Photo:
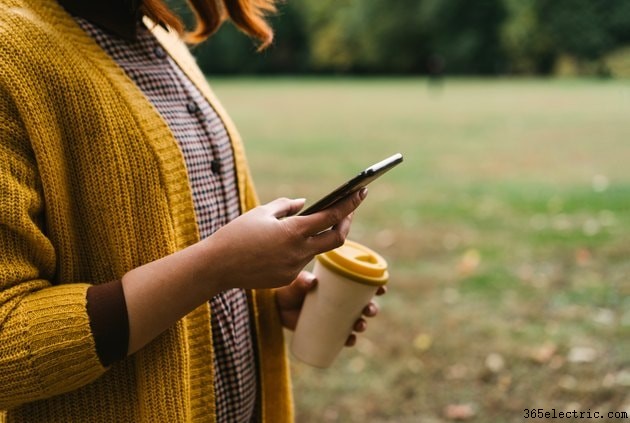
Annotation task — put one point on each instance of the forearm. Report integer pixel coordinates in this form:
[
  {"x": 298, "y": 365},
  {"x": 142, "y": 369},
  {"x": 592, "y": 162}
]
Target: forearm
[{"x": 160, "y": 293}]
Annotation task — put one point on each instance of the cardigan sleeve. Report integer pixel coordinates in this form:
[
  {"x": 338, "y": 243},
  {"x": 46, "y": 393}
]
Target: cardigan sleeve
[
  {"x": 109, "y": 321},
  {"x": 46, "y": 343}
]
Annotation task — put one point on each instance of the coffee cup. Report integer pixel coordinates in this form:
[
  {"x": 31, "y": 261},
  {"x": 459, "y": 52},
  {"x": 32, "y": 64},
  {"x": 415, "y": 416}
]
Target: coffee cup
[{"x": 348, "y": 277}]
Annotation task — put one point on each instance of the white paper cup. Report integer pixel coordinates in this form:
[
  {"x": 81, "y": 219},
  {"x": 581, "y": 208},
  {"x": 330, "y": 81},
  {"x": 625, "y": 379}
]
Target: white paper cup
[{"x": 348, "y": 277}]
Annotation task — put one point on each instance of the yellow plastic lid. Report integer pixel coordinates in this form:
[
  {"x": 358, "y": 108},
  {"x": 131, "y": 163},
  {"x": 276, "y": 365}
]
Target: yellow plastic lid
[{"x": 356, "y": 262}]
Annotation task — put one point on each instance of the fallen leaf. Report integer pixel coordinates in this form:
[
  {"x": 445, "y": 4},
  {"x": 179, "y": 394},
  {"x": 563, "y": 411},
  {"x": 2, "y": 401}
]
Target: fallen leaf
[
  {"x": 605, "y": 317},
  {"x": 582, "y": 355},
  {"x": 422, "y": 342},
  {"x": 469, "y": 262},
  {"x": 356, "y": 365},
  {"x": 459, "y": 411},
  {"x": 504, "y": 383},
  {"x": 495, "y": 362},
  {"x": 456, "y": 372},
  {"x": 544, "y": 353},
  {"x": 582, "y": 257}
]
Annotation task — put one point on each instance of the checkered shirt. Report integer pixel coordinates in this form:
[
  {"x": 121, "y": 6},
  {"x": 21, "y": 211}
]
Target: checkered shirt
[{"x": 207, "y": 151}]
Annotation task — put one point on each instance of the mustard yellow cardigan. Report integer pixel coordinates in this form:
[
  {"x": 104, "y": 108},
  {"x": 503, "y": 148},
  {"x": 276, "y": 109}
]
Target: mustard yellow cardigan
[{"x": 93, "y": 184}]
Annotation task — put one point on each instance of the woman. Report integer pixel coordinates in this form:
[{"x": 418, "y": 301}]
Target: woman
[{"x": 139, "y": 281}]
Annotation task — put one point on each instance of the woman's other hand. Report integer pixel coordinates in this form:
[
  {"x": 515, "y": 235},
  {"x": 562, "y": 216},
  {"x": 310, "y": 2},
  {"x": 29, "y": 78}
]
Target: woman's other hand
[{"x": 290, "y": 298}]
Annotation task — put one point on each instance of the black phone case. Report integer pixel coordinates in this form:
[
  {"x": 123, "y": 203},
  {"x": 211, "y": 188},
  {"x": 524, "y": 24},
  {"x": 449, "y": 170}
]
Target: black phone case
[{"x": 354, "y": 184}]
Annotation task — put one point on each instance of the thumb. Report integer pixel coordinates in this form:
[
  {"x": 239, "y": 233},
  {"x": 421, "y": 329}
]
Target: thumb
[{"x": 284, "y": 207}]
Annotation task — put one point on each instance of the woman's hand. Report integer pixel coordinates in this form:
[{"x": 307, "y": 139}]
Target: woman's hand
[
  {"x": 289, "y": 300},
  {"x": 268, "y": 246}
]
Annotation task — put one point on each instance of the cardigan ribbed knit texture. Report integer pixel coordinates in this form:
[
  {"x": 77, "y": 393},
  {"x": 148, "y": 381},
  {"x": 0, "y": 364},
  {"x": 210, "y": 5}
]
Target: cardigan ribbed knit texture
[{"x": 93, "y": 184}]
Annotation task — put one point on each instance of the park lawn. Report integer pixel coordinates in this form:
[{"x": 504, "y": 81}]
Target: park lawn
[{"x": 507, "y": 230}]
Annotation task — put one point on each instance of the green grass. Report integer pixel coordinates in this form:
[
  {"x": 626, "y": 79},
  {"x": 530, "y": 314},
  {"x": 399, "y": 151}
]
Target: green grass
[{"x": 507, "y": 230}]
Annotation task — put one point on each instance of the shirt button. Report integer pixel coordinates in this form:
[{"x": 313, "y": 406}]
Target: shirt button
[
  {"x": 215, "y": 166},
  {"x": 192, "y": 107},
  {"x": 159, "y": 52}
]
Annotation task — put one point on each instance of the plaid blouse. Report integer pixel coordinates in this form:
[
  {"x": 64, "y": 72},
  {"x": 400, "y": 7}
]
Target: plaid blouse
[{"x": 207, "y": 152}]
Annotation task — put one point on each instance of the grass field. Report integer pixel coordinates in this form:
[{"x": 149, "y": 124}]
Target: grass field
[{"x": 507, "y": 230}]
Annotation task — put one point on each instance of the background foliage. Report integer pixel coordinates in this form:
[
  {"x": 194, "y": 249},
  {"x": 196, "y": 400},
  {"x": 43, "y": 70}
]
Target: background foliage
[{"x": 484, "y": 37}]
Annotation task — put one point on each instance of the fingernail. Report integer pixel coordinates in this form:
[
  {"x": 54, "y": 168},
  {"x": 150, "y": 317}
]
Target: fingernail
[{"x": 363, "y": 193}]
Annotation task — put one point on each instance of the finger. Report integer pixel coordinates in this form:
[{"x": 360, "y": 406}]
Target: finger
[
  {"x": 308, "y": 280},
  {"x": 292, "y": 296},
  {"x": 360, "y": 325},
  {"x": 283, "y": 207},
  {"x": 371, "y": 309},
  {"x": 327, "y": 218},
  {"x": 382, "y": 290},
  {"x": 343, "y": 227},
  {"x": 332, "y": 238},
  {"x": 352, "y": 339}
]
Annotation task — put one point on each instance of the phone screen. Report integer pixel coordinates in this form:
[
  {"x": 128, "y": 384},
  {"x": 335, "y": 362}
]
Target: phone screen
[{"x": 354, "y": 184}]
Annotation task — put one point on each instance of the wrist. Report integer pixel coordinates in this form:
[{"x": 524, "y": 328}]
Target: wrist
[
  {"x": 175, "y": 285},
  {"x": 205, "y": 268}
]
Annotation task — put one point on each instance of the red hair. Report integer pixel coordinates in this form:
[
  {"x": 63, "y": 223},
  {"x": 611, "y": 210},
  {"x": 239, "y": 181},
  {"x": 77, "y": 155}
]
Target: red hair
[{"x": 247, "y": 15}]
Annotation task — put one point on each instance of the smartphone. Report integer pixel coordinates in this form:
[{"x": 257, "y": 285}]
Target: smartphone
[{"x": 354, "y": 184}]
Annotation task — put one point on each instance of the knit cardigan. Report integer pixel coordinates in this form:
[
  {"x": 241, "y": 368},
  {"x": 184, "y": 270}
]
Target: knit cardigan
[{"x": 93, "y": 184}]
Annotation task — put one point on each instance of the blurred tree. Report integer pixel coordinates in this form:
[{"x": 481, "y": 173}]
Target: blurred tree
[
  {"x": 584, "y": 29},
  {"x": 365, "y": 35},
  {"x": 329, "y": 38},
  {"x": 422, "y": 36},
  {"x": 389, "y": 36},
  {"x": 406, "y": 36},
  {"x": 466, "y": 34},
  {"x": 577, "y": 27},
  {"x": 528, "y": 49}
]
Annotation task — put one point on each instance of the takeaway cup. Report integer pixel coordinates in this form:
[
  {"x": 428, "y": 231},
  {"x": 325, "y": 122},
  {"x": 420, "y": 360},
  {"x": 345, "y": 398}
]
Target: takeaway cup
[{"x": 348, "y": 277}]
